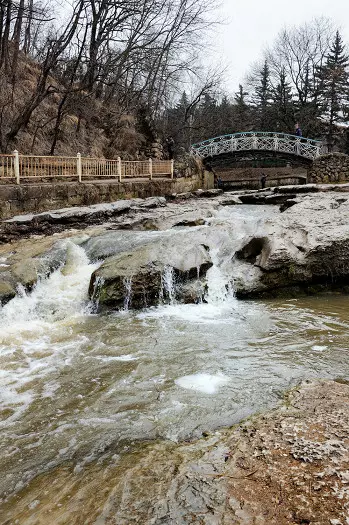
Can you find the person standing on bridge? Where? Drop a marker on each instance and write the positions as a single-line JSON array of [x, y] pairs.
[[263, 180], [298, 130]]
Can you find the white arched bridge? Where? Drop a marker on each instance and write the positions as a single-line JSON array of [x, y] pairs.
[[258, 141]]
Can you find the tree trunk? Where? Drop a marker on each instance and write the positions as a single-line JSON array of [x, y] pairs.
[[4, 58], [16, 39]]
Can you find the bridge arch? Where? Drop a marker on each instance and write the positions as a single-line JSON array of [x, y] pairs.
[[258, 141]]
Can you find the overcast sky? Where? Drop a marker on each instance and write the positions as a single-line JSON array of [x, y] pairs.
[[251, 25]]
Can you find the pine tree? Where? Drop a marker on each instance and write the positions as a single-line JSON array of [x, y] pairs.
[[242, 111], [282, 110], [207, 117], [333, 87], [263, 98], [225, 117]]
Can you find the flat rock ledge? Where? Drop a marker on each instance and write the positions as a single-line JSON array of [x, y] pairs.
[[49, 222], [287, 467], [80, 217], [53, 221]]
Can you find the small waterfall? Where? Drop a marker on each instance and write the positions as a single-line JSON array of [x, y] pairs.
[[168, 285], [219, 287], [200, 288], [128, 292], [61, 295], [94, 301]]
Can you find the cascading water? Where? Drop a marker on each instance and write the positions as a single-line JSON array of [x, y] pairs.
[[77, 390], [128, 292], [60, 296], [219, 285], [94, 301], [168, 284]]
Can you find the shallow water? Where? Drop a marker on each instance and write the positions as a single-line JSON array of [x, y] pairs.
[[76, 386]]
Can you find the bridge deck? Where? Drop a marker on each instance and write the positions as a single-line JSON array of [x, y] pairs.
[[281, 143]]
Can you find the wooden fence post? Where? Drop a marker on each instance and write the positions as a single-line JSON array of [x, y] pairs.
[[150, 169], [79, 167], [172, 168], [119, 168], [16, 165]]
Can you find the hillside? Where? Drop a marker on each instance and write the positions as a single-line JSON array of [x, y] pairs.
[[86, 124]]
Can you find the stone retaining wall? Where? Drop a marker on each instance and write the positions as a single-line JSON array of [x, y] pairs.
[[34, 197], [333, 167]]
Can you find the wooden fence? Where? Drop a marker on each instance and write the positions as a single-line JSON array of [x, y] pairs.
[[16, 168]]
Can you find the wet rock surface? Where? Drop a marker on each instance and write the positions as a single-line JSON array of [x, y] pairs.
[[74, 217], [23, 260], [137, 278], [286, 467], [152, 213], [307, 247]]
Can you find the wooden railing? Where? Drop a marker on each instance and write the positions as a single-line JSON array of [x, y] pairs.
[[7, 170], [16, 168]]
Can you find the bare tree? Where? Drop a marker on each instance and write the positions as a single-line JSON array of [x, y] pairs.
[[299, 52], [54, 49]]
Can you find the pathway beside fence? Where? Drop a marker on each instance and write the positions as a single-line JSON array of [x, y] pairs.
[[16, 168]]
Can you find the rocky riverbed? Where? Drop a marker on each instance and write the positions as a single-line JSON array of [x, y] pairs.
[[287, 467], [303, 249], [122, 342]]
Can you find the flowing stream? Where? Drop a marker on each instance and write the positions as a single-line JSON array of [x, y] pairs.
[[76, 386]]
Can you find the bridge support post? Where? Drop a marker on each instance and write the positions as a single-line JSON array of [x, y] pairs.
[[298, 147]]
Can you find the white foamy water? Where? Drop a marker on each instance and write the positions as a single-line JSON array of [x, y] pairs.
[[34, 328], [168, 284], [206, 383], [56, 298], [202, 313], [106, 359], [219, 279]]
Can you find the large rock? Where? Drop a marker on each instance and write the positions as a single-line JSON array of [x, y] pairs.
[[78, 217], [21, 265], [307, 246], [150, 272]]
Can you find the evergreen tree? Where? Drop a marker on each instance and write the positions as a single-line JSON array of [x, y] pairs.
[[178, 122], [282, 110], [333, 87], [207, 118], [242, 111], [225, 117], [262, 99]]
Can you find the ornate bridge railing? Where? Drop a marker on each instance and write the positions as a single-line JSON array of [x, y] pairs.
[[258, 141]]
